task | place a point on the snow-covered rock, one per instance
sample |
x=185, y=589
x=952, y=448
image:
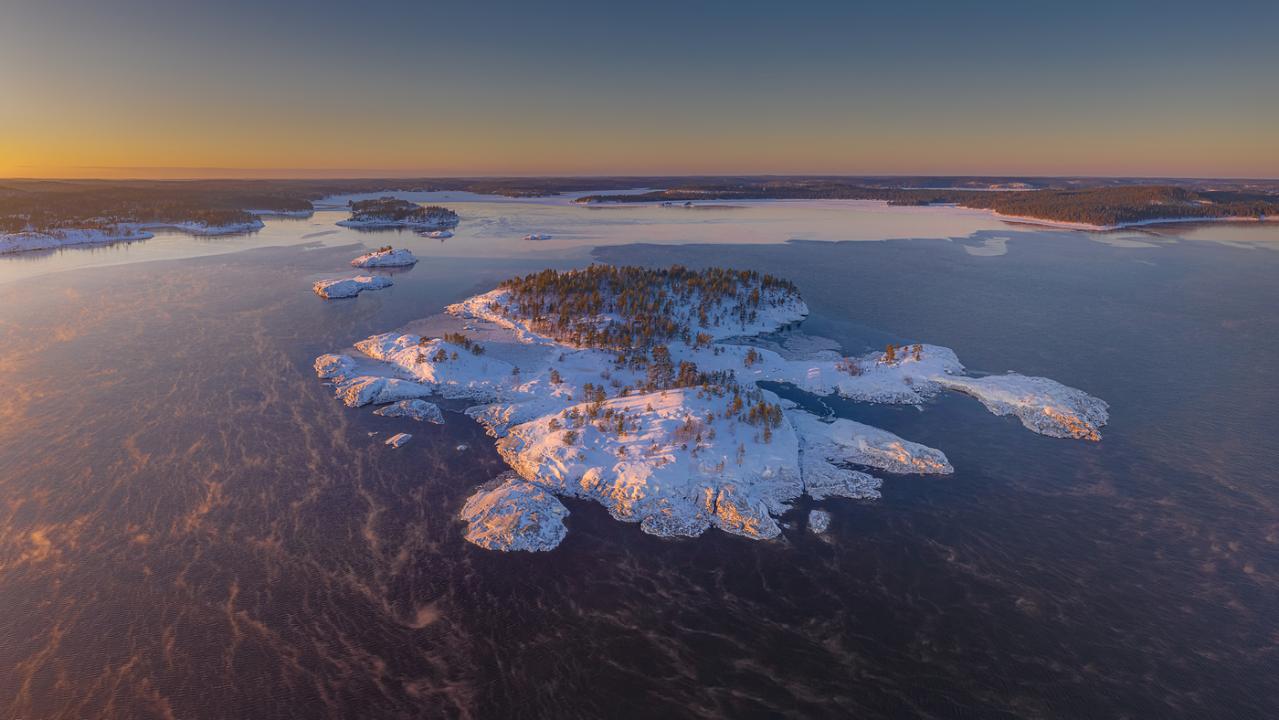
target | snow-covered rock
x=440, y=234
x=399, y=257
x=332, y=366
x=398, y=439
x=818, y=521
x=350, y=287
x=510, y=514
x=852, y=442
x=364, y=390
x=668, y=467
x=451, y=370
x=1044, y=406
x=419, y=410
x=282, y=213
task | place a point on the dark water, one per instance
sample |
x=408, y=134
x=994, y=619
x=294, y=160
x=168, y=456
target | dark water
x=191, y=527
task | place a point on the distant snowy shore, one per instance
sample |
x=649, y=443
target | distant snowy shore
x=68, y=237
x=1029, y=220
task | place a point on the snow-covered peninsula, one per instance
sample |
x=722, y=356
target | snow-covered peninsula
x=52, y=239
x=70, y=237
x=639, y=389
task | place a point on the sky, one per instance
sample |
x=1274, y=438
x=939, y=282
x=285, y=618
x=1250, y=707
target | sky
x=144, y=88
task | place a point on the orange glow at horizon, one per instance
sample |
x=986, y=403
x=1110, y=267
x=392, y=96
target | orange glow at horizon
x=148, y=154
x=156, y=89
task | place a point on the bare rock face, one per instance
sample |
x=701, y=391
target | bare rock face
x=510, y=514
x=669, y=470
x=329, y=367
x=369, y=389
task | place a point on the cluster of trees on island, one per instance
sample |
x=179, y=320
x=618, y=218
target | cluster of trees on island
x=746, y=405
x=621, y=308
x=391, y=209
x=636, y=312
x=441, y=355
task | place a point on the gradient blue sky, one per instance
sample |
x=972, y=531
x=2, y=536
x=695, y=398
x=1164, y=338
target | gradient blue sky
x=147, y=88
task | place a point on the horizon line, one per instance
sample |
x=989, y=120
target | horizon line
x=355, y=174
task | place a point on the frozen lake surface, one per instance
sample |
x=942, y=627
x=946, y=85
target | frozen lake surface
x=191, y=526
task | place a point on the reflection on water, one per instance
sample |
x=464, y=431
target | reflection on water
x=191, y=527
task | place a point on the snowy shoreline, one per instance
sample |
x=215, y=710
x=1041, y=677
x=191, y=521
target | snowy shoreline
x=1064, y=225
x=684, y=458
x=1021, y=219
x=31, y=240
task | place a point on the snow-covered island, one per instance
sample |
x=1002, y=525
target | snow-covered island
x=385, y=256
x=391, y=212
x=350, y=287
x=419, y=410
x=639, y=389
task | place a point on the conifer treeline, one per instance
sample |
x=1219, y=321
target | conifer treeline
x=619, y=308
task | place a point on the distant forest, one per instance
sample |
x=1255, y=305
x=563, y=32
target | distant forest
x=1095, y=206
x=49, y=204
